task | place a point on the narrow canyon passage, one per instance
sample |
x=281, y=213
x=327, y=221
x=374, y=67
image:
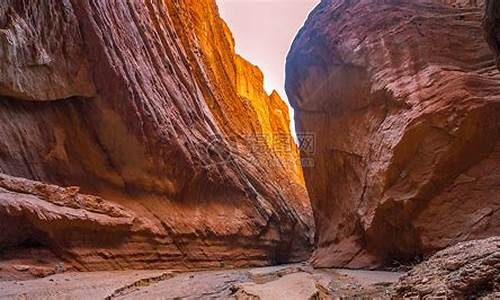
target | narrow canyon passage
x=142, y=157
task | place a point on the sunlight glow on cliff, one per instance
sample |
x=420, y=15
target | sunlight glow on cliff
x=263, y=31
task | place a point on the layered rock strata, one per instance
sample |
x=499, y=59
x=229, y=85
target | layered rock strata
x=402, y=98
x=133, y=136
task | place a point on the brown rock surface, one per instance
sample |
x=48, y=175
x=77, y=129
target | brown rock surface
x=467, y=270
x=139, y=103
x=403, y=99
x=37, y=61
x=491, y=24
x=27, y=263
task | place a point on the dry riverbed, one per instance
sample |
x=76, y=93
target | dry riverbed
x=281, y=282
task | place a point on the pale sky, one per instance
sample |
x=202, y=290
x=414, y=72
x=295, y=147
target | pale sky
x=264, y=30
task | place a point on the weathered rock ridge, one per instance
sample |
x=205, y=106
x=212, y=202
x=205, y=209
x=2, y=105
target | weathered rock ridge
x=170, y=149
x=404, y=100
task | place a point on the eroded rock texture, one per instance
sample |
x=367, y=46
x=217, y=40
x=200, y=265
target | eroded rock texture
x=468, y=270
x=403, y=99
x=491, y=24
x=145, y=106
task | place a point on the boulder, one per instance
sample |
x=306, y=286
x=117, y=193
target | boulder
x=468, y=270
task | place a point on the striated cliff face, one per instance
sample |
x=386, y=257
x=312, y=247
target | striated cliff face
x=169, y=148
x=403, y=99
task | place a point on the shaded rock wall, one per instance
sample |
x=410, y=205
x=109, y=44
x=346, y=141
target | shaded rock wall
x=491, y=25
x=37, y=63
x=145, y=105
x=467, y=270
x=403, y=99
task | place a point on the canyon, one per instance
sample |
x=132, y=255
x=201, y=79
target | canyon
x=141, y=157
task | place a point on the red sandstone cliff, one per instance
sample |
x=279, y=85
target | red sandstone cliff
x=140, y=104
x=404, y=101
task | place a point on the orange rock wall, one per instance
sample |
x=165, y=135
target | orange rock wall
x=139, y=103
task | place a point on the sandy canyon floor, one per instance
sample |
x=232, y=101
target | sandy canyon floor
x=282, y=282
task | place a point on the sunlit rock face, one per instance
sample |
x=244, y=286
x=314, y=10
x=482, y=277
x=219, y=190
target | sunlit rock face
x=404, y=100
x=164, y=137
